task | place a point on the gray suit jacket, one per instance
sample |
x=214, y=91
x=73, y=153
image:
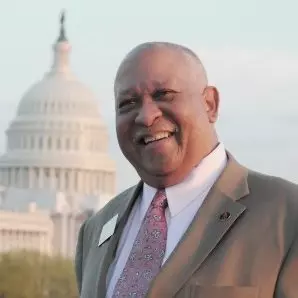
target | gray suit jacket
x=242, y=243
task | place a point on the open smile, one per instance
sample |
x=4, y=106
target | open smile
x=157, y=137
x=154, y=138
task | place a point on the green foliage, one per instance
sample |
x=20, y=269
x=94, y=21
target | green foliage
x=31, y=275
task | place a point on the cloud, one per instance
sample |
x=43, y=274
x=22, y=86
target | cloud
x=254, y=63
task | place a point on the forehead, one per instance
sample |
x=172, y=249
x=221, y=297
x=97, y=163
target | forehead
x=151, y=69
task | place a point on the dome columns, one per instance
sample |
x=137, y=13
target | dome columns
x=87, y=182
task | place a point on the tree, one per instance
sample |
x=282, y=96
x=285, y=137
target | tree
x=31, y=275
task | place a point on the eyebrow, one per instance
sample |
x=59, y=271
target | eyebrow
x=130, y=91
x=134, y=91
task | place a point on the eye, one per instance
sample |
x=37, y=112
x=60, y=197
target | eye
x=127, y=103
x=163, y=94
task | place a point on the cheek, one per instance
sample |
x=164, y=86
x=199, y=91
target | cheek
x=190, y=128
x=123, y=131
x=184, y=114
x=122, y=124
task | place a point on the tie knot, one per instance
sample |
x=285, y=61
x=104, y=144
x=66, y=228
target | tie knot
x=160, y=199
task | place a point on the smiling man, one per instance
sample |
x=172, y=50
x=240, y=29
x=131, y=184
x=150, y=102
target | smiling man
x=198, y=224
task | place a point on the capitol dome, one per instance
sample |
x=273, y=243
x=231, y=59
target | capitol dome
x=58, y=95
x=57, y=139
x=59, y=92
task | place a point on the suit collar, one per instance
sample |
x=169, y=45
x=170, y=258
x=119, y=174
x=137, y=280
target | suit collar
x=233, y=181
x=123, y=210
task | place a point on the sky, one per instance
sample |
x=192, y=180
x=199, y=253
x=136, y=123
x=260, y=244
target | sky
x=249, y=49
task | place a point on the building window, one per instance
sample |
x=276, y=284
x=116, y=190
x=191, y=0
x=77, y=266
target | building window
x=76, y=144
x=67, y=144
x=40, y=142
x=32, y=143
x=36, y=177
x=57, y=175
x=76, y=181
x=18, y=177
x=26, y=177
x=47, y=177
x=24, y=142
x=49, y=143
x=58, y=143
x=66, y=180
x=19, y=142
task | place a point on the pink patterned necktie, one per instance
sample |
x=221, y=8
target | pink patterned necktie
x=147, y=253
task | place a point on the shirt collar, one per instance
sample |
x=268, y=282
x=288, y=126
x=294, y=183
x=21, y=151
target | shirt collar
x=200, y=180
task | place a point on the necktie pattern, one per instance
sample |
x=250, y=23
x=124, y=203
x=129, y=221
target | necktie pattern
x=147, y=253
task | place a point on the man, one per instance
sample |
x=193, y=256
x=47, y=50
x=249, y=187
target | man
x=198, y=224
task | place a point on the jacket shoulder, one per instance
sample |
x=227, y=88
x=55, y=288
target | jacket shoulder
x=275, y=189
x=272, y=182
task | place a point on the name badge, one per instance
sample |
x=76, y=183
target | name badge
x=108, y=230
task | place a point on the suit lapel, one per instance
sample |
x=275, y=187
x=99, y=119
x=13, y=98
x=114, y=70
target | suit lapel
x=123, y=211
x=213, y=220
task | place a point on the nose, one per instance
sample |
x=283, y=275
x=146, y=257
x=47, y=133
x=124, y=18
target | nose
x=148, y=113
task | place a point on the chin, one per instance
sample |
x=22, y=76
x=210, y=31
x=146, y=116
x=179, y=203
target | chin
x=160, y=177
x=159, y=169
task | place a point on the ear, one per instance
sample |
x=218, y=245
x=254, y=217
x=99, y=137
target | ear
x=211, y=98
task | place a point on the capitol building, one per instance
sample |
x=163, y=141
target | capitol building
x=56, y=169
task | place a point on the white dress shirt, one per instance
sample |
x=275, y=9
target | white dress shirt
x=184, y=200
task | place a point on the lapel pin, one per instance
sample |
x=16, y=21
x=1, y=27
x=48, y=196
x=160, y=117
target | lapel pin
x=108, y=230
x=224, y=216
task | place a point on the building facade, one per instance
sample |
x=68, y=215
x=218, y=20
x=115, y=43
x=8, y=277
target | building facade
x=26, y=231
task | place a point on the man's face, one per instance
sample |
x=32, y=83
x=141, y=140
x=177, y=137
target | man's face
x=163, y=120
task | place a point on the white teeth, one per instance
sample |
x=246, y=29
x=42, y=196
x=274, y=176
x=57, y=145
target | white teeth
x=158, y=136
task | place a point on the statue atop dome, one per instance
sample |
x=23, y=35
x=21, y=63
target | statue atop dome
x=62, y=36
